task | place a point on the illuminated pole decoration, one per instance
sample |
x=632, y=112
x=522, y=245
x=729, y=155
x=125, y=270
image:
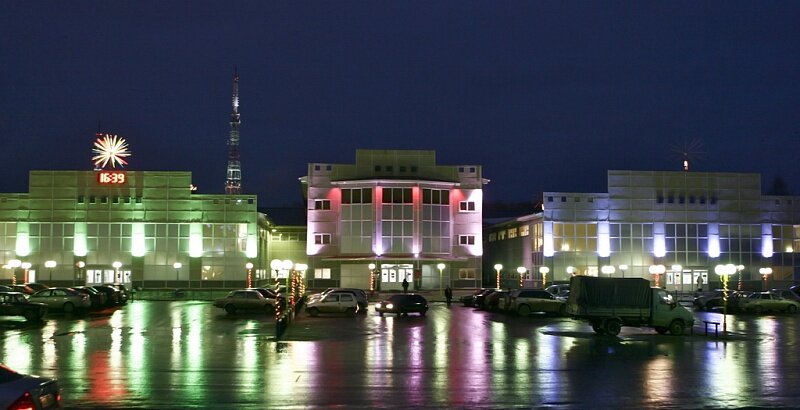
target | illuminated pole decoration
x=25, y=266
x=544, y=270
x=498, y=267
x=739, y=269
x=50, y=265
x=249, y=267
x=371, y=267
x=110, y=150
x=724, y=271
x=765, y=272
x=301, y=270
x=521, y=270
x=14, y=264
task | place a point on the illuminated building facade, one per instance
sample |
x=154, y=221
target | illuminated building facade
x=399, y=212
x=147, y=221
x=669, y=227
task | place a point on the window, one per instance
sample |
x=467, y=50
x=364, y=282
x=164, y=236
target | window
x=397, y=196
x=524, y=230
x=377, y=168
x=492, y=237
x=316, y=167
x=322, y=204
x=501, y=236
x=549, y=199
x=563, y=199
x=328, y=167
x=322, y=239
x=466, y=239
x=466, y=206
x=357, y=196
x=435, y=196
x=466, y=273
x=512, y=233
x=81, y=199
x=322, y=273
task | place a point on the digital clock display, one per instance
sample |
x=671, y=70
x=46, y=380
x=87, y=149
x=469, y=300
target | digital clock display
x=111, y=177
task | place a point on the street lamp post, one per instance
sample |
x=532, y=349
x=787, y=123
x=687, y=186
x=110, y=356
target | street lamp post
x=608, y=270
x=371, y=267
x=80, y=265
x=765, y=272
x=544, y=270
x=498, y=267
x=177, y=266
x=440, y=266
x=657, y=271
x=249, y=266
x=276, y=265
x=622, y=269
x=725, y=271
x=117, y=265
x=676, y=273
x=521, y=270
x=50, y=265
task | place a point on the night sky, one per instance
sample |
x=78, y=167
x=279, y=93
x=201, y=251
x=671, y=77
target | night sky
x=547, y=96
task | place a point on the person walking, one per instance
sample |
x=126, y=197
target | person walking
x=448, y=295
x=405, y=285
x=699, y=283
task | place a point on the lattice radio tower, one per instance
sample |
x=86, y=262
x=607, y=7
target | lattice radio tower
x=233, y=182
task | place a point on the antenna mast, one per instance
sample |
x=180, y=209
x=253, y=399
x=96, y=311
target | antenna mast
x=233, y=182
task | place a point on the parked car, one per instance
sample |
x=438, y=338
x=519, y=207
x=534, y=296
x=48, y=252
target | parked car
x=481, y=297
x=37, y=286
x=17, y=304
x=333, y=302
x=359, y=294
x=123, y=292
x=768, y=302
x=97, y=298
x=469, y=300
x=20, y=391
x=4, y=288
x=403, y=303
x=714, y=299
x=66, y=299
x=113, y=296
x=267, y=293
x=527, y=301
x=786, y=294
x=497, y=300
x=245, y=299
x=23, y=289
x=795, y=289
x=560, y=291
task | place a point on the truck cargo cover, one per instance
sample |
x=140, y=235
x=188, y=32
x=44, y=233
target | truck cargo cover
x=594, y=292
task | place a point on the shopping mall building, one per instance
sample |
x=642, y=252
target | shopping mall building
x=669, y=227
x=145, y=228
x=394, y=215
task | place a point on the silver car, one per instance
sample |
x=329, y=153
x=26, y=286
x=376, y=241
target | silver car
x=333, y=302
x=66, y=299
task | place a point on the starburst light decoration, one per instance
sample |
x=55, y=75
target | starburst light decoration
x=110, y=149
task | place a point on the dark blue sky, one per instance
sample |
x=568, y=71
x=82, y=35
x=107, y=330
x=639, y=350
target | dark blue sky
x=545, y=95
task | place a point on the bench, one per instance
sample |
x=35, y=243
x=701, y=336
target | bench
x=716, y=327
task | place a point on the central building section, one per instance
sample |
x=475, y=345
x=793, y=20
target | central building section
x=394, y=215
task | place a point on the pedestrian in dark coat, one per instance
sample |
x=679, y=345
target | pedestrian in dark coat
x=405, y=285
x=448, y=295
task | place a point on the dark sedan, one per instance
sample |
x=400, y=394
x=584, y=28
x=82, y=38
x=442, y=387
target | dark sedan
x=112, y=294
x=403, y=304
x=98, y=298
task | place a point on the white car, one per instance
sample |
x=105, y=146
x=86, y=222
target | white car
x=20, y=391
x=333, y=302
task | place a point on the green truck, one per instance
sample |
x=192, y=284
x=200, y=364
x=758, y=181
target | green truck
x=610, y=303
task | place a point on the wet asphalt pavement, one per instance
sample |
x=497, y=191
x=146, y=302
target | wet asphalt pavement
x=186, y=354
